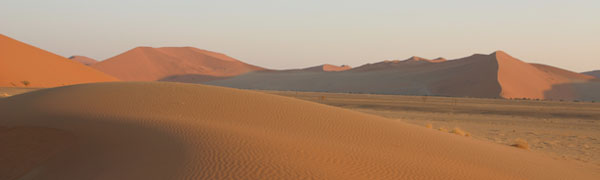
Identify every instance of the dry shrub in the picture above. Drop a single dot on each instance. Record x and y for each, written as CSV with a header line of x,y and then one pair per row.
x,y
429,125
521,143
458,131
443,129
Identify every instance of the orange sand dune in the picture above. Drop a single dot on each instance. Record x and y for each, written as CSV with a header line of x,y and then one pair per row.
x,y
149,64
521,80
83,60
21,63
186,131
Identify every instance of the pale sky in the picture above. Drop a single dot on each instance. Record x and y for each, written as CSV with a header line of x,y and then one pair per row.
x,y
291,34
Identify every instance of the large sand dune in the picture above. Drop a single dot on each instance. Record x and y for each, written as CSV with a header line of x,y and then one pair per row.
x,y
487,76
183,131
24,65
171,63
83,60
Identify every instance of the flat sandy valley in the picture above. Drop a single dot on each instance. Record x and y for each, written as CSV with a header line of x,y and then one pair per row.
x,y
562,130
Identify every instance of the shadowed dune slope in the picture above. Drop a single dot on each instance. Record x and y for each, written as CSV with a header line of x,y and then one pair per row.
x,y
22,62
83,60
149,64
319,68
486,76
474,76
328,67
157,130
595,73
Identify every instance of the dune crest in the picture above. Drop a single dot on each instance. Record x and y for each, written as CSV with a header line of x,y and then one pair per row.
x,y
150,64
323,68
595,73
23,65
83,60
186,131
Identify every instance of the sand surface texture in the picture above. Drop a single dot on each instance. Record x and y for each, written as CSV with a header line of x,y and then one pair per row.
x,y
160,130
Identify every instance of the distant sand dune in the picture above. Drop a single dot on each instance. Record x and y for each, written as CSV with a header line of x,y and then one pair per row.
x,y
83,60
22,65
150,64
497,75
595,73
160,130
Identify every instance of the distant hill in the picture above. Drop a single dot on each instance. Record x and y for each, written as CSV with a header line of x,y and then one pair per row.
x,y
83,60
497,75
172,64
595,73
23,65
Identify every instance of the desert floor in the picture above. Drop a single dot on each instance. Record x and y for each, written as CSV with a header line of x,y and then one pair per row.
x,y
563,130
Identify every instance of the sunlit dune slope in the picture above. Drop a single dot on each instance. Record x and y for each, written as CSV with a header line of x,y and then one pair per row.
x,y
168,63
25,65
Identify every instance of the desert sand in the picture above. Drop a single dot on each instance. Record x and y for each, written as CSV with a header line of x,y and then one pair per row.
x,y
154,130
173,64
562,129
23,65
497,75
83,60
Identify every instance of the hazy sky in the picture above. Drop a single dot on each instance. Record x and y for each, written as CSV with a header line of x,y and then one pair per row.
x,y
285,34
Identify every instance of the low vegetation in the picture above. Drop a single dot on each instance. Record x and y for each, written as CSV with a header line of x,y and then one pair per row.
x,y
521,143
26,83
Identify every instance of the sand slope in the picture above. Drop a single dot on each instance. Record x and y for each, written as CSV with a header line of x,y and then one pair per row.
x,y
149,64
595,73
185,131
488,76
474,76
22,62
328,68
83,60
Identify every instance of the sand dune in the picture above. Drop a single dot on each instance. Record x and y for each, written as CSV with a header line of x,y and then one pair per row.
x,y
150,64
328,68
595,73
488,76
390,64
186,131
24,65
83,60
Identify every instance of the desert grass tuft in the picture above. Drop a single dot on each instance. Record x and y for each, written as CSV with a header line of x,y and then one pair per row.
x,y
429,125
443,129
521,143
458,131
